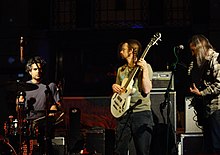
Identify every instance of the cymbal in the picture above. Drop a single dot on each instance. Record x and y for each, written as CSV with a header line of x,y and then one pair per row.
x,y
19,86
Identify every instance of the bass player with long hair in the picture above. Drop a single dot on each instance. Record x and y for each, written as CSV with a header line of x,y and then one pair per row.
x,y
205,71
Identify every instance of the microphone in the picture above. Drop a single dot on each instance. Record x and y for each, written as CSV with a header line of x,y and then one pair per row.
x,y
22,50
180,47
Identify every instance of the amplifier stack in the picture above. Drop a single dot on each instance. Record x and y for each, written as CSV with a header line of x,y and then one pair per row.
x,y
161,81
164,118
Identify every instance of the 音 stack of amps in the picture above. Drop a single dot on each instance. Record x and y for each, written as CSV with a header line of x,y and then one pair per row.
x,y
163,91
163,105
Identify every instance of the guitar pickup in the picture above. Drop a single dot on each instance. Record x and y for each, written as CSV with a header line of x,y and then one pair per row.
x,y
116,103
115,107
123,105
119,98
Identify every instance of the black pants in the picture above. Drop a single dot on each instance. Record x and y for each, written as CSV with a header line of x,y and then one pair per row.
x,y
45,136
137,126
211,131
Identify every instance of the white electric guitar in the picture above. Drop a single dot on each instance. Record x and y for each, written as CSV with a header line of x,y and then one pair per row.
x,y
120,103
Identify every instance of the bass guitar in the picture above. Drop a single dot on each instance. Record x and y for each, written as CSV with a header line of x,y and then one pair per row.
x,y
199,103
120,103
200,106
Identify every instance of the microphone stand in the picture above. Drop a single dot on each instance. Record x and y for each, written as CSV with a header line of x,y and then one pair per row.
x,y
21,117
167,103
46,138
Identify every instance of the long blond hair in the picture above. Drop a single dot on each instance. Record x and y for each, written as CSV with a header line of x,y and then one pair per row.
x,y
202,46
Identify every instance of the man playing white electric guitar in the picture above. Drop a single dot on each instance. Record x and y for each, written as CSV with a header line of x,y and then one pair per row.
x,y
132,87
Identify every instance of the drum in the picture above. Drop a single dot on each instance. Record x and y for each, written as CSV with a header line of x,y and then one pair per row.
x,y
11,126
6,148
29,129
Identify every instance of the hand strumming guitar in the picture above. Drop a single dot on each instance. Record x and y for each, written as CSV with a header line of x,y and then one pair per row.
x,y
195,90
117,88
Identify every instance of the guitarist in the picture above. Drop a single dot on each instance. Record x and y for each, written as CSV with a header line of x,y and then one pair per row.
x,y
205,70
138,122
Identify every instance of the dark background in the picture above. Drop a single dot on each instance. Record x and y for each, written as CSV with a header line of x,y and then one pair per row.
x,y
79,39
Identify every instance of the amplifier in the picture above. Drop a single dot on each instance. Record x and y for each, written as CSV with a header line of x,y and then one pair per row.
x,y
161,80
191,124
59,145
58,141
101,141
162,135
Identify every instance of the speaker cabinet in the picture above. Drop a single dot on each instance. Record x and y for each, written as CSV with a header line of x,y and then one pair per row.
x,y
164,133
74,128
191,125
168,113
59,149
59,146
101,141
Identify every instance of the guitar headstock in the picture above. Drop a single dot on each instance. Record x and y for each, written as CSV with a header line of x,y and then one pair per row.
x,y
155,39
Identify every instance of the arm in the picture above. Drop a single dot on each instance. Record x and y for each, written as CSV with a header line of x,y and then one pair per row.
x,y
54,97
116,87
146,81
212,87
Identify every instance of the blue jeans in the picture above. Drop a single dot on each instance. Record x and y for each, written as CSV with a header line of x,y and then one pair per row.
x,y
139,126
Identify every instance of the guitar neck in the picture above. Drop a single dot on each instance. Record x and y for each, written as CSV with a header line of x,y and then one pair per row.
x,y
131,76
135,70
145,51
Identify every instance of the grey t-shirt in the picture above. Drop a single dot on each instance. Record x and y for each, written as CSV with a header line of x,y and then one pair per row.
x,y
36,100
124,72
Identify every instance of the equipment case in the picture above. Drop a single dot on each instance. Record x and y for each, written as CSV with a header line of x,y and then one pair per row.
x,y
190,143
